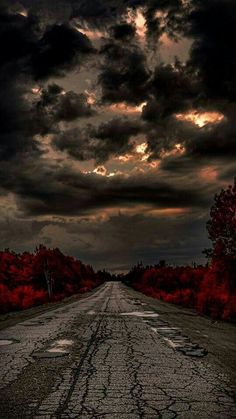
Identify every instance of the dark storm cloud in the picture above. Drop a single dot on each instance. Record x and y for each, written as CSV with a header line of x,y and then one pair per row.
x,y
124,74
102,12
174,89
202,145
212,24
217,141
107,140
22,119
40,54
60,49
16,32
81,195
208,76
72,106
123,31
44,45
63,106
27,54
17,123
163,16
43,188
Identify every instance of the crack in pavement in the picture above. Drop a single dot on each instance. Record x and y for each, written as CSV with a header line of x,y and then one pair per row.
x,y
117,367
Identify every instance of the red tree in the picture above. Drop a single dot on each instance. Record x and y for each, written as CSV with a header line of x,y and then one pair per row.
x,y
222,225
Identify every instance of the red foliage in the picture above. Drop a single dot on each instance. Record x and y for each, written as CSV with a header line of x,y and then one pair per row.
x,y
209,290
23,281
222,224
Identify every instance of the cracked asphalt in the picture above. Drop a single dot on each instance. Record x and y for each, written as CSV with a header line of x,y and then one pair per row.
x,y
114,354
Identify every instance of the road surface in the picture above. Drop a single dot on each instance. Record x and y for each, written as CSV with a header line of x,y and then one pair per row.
x,y
113,354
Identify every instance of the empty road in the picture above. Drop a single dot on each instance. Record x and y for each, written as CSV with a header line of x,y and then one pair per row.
x,y
115,354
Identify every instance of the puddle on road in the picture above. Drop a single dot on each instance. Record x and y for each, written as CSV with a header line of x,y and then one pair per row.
x,y
141,314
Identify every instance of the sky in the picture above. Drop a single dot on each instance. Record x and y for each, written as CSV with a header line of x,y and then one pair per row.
x,y
117,126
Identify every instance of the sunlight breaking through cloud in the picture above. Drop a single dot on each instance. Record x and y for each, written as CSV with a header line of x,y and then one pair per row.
x,y
200,118
126,109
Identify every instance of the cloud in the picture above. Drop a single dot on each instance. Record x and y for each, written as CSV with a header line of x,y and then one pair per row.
x,y
108,139
120,79
43,189
27,54
162,207
121,237
163,17
123,31
212,25
72,106
40,52
174,87
60,49
63,106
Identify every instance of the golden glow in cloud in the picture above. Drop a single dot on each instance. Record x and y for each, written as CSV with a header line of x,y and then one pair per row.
x,y
91,97
36,90
125,157
126,109
102,171
177,149
144,209
139,21
141,148
208,173
140,24
91,34
200,118
139,158
23,12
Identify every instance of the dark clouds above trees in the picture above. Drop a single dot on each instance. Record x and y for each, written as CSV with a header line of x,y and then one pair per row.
x,y
47,131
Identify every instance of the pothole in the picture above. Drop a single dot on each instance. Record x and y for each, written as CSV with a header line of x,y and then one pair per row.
x,y
57,349
172,336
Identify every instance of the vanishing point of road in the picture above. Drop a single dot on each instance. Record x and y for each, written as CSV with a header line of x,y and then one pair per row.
x,y
116,353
